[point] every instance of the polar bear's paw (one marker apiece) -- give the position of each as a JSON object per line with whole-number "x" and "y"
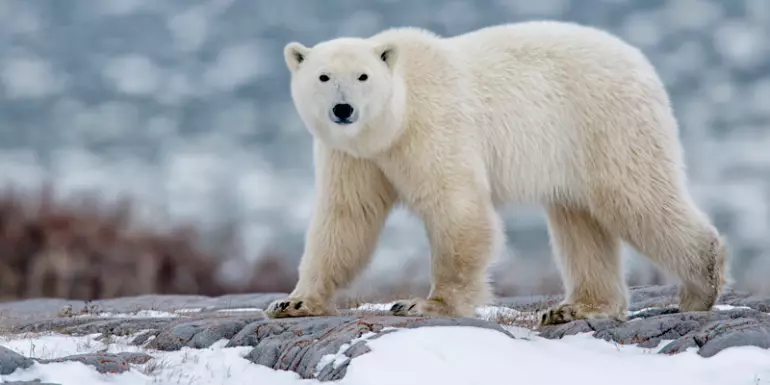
{"x": 297, "y": 307}
{"x": 569, "y": 312}
{"x": 419, "y": 307}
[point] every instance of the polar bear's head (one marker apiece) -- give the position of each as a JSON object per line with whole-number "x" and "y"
{"x": 347, "y": 93}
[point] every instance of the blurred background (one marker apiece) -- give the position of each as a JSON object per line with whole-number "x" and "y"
{"x": 151, "y": 146}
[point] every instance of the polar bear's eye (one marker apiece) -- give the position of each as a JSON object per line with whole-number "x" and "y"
{"x": 323, "y": 78}
{"x": 363, "y": 78}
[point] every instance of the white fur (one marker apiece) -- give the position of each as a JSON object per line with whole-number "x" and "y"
{"x": 557, "y": 114}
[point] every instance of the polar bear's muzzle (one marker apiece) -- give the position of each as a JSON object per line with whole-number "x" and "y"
{"x": 343, "y": 114}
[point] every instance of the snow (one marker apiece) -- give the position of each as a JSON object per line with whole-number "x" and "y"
{"x": 447, "y": 355}
{"x": 189, "y": 28}
{"x": 138, "y": 314}
{"x": 490, "y": 312}
{"x": 238, "y": 310}
{"x": 375, "y": 306}
{"x": 340, "y": 358}
{"x": 134, "y": 74}
{"x": 164, "y": 314}
{"x": 730, "y": 307}
{"x": 237, "y": 65}
{"x": 190, "y": 310}
{"x": 462, "y": 355}
{"x": 717, "y": 307}
{"x": 744, "y": 45}
{"x": 29, "y": 77}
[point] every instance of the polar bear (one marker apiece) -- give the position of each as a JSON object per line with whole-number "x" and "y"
{"x": 553, "y": 113}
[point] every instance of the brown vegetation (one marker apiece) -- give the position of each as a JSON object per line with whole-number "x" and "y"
{"x": 87, "y": 251}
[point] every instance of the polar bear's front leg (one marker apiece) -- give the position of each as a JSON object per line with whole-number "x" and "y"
{"x": 464, "y": 232}
{"x": 354, "y": 200}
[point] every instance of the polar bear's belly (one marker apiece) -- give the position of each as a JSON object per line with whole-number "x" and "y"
{"x": 538, "y": 169}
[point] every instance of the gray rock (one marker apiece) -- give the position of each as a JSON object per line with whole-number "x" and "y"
{"x": 716, "y": 336}
{"x": 652, "y": 297}
{"x": 235, "y": 301}
{"x": 118, "y": 326}
{"x": 10, "y": 361}
{"x": 167, "y": 303}
{"x": 37, "y": 315}
{"x": 199, "y": 333}
{"x": 754, "y": 302}
{"x": 641, "y": 297}
{"x": 105, "y": 362}
{"x": 529, "y": 303}
{"x": 88, "y": 325}
{"x": 171, "y": 303}
{"x": 299, "y": 344}
{"x": 142, "y": 338}
{"x": 559, "y": 331}
{"x": 32, "y": 310}
{"x": 708, "y": 332}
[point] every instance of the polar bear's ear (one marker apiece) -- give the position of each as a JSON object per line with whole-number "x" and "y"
{"x": 295, "y": 53}
{"x": 387, "y": 53}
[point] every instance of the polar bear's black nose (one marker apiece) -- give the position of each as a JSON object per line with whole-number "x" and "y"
{"x": 342, "y": 111}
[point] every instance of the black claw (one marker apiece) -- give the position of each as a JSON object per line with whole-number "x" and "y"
{"x": 298, "y": 305}
{"x": 396, "y": 307}
{"x": 411, "y": 307}
{"x": 284, "y": 305}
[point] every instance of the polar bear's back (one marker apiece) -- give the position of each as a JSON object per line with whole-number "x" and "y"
{"x": 546, "y": 40}
{"x": 572, "y": 71}
{"x": 566, "y": 103}
{"x": 553, "y": 106}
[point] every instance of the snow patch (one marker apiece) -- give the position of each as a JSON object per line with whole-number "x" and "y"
{"x": 190, "y": 310}
{"x": 340, "y": 358}
{"x": 237, "y": 310}
{"x": 447, "y": 355}
{"x": 138, "y": 314}
{"x": 375, "y": 306}
{"x": 500, "y": 313}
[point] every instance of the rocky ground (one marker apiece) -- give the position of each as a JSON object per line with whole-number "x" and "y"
{"x": 168, "y": 323}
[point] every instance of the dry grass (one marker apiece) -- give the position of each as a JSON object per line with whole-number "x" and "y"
{"x": 154, "y": 366}
{"x": 86, "y": 250}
